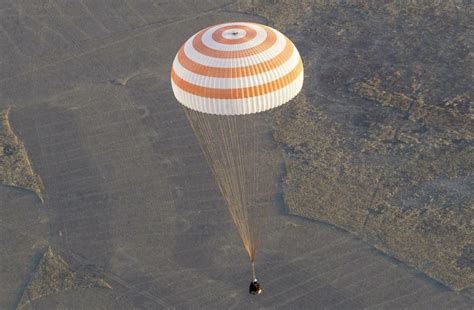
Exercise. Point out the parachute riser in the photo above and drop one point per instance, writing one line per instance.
(253, 271)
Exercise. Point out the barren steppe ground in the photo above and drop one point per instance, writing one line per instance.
(129, 201)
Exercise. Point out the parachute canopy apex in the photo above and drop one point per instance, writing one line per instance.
(236, 68)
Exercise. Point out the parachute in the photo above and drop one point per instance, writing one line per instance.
(225, 76)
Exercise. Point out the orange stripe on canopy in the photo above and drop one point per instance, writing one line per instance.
(238, 93)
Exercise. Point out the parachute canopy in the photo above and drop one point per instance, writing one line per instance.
(236, 68)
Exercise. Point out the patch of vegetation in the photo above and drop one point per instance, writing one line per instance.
(53, 275)
(15, 165)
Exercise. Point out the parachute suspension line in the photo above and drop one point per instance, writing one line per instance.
(252, 182)
(253, 173)
(241, 177)
(231, 154)
(229, 149)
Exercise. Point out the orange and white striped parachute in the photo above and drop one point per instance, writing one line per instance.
(236, 68)
(224, 75)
